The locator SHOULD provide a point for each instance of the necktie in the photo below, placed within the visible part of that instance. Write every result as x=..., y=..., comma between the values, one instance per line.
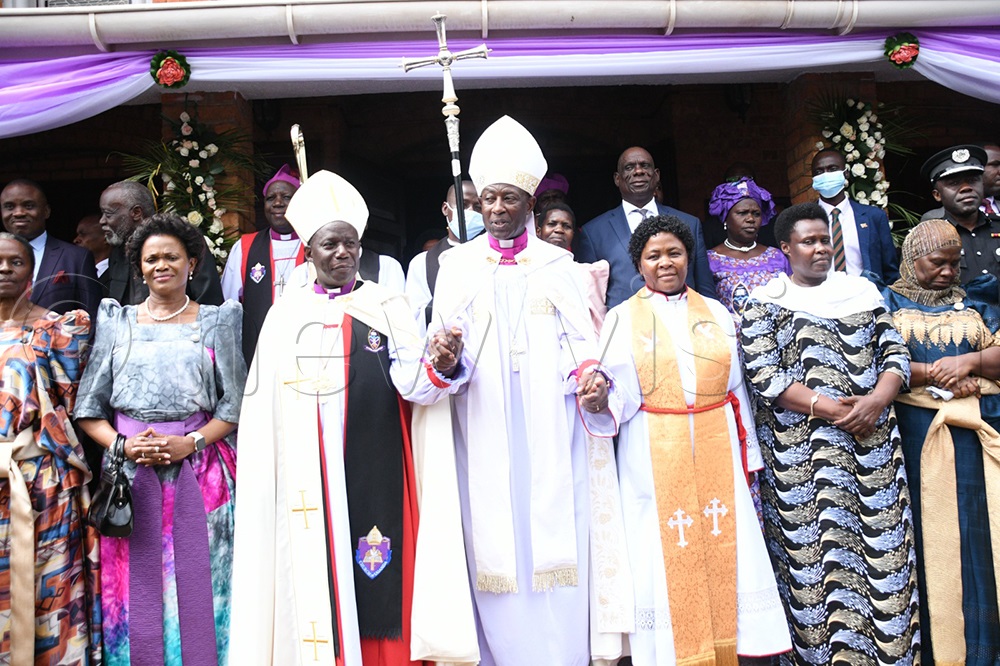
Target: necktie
x=987, y=208
x=837, y=236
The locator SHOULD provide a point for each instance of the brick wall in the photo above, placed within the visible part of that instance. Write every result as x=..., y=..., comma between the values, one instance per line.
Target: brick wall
x=222, y=112
x=393, y=147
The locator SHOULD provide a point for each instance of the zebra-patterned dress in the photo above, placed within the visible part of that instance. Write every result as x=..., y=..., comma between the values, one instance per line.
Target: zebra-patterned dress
x=837, y=515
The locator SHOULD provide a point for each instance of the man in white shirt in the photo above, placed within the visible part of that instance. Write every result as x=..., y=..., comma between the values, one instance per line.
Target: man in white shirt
x=65, y=278
x=90, y=236
x=860, y=234
x=607, y=235
x=422, y=271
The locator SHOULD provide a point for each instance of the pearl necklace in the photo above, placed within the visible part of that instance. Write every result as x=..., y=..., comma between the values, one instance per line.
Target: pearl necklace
x=187, y=302
x=738, y=248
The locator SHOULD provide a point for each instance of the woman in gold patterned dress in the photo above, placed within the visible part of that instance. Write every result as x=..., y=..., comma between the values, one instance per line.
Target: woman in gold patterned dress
x=953, y=470
x=49, y=606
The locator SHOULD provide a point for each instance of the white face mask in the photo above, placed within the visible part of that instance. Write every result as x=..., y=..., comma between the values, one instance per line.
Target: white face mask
x=829, y=184
x=474, y=224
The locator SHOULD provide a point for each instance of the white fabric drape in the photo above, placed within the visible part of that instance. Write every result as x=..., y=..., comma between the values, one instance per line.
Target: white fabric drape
x=46, y=97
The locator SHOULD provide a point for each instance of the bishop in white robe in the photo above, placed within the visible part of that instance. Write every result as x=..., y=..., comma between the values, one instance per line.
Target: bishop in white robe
x=327, y=513
x=515, y=303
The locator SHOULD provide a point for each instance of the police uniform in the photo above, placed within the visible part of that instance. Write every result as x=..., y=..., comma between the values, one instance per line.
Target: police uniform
x=981, y=244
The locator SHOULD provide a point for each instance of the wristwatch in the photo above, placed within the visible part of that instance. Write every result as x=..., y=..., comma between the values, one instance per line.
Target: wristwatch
x=199, y=440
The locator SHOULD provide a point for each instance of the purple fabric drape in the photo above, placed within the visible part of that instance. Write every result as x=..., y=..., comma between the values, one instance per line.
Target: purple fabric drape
x=46, y=93
x=192, y=567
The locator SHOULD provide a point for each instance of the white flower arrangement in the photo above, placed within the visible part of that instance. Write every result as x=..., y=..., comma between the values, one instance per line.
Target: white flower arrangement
x=189, y=166
x=854, y=130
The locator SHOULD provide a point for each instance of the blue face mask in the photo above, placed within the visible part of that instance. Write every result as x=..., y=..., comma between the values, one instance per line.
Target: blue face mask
x=830, y=184
x=473, y=223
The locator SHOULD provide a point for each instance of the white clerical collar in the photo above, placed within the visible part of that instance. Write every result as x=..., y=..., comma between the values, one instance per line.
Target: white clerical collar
x=505, y=243
x=284, y=237
x=675, y=298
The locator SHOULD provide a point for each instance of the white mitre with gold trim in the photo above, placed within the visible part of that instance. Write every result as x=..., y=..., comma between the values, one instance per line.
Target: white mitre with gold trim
x=326, y=197
x=507, y=153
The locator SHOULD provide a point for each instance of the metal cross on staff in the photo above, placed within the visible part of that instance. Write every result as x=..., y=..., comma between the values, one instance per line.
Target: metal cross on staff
x=299, y=146
x=445, y=58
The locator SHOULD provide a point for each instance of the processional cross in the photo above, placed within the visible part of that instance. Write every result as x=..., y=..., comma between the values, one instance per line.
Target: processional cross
x=444, y=59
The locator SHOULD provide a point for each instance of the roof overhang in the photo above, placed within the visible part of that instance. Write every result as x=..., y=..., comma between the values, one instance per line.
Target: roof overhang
x=61, y=31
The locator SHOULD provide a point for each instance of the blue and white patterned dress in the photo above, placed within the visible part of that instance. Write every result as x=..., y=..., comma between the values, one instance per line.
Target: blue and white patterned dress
x=837, y=514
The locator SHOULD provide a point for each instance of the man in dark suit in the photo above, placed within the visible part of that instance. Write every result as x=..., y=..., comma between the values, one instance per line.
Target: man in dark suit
x=65, y=278
x=866, y=238
x=607, y=235
x=124, y=205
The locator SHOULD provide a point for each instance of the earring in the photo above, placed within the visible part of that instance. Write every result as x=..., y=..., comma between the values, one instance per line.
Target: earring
x=191, y=275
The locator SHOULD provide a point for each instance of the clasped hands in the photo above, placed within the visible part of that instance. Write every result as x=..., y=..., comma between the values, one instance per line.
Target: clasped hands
x=592, y=390
x=152, y=448
x=857, y=414
x=952, y=373
x=444, y=350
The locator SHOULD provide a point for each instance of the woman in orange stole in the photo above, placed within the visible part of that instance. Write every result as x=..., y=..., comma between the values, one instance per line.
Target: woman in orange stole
x=704, y=588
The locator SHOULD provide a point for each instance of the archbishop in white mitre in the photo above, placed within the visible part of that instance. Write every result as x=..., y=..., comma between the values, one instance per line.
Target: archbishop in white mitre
x=331, y=484
x=511, y=317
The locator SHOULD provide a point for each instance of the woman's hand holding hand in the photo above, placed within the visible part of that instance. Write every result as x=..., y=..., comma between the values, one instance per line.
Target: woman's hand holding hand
x=175, y=448
x=147, y=448
x=860, y=421
x=948, y=371
x=966, y=387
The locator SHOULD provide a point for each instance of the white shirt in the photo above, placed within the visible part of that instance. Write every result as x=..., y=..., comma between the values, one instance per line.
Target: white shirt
x=849, y=229
x=418, y=292
x=38, y=246
x=635, y=215
x=101, y=266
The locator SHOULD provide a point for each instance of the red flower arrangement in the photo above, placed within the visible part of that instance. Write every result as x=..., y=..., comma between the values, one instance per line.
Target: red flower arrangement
x=902, y=49
x=170, y=69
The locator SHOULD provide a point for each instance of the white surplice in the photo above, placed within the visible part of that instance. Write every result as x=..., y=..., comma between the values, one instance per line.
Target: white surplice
x=761, y=626
x=281, y=593
x=525, y=329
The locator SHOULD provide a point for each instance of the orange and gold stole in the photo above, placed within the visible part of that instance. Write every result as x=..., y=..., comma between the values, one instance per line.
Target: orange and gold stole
x=693, y=477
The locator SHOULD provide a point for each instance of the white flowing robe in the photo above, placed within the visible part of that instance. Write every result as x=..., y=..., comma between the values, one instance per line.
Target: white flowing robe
x=535, y=306
x=761, y=626
x=281, y=603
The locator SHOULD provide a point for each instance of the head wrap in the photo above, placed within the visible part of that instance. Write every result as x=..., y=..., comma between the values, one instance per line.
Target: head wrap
x=928, y=236
x=325, y=198
x=554, y=181
x=285, y=174
x=728, y=195
x=507, y=153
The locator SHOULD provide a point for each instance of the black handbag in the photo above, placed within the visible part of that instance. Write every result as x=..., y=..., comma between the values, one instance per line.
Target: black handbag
x=111, y=509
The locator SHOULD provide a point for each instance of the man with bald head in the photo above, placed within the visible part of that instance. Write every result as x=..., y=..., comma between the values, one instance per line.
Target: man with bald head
x=607, y=235
x=65, y=278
